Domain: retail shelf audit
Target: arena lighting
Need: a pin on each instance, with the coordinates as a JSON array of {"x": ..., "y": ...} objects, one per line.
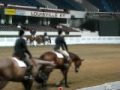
[
  {"x": 19, "y": 6},
  {"x": 51, "y": 9}
]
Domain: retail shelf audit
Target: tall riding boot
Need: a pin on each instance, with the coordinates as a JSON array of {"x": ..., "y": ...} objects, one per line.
[{"x": 28, "y": 74}]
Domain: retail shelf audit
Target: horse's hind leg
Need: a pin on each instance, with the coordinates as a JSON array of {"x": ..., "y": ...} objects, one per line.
[
  {"x": 27, "y": 84},
  {"x": 3, "y": 83}
]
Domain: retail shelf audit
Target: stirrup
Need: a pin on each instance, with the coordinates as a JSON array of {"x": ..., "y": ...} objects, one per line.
[
  {"x": 69, "y": 59},
  {"x": 66, "y": 65},
  {"x": 28, "y": 77},
  {"x": 29, "y": 68}
]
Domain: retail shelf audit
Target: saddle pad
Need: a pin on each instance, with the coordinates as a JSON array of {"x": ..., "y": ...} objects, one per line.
[
  {"x": 19, "y": 62},
  {"x": 59, "y": 55}
]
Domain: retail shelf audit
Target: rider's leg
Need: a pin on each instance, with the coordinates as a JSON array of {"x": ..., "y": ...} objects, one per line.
[
  {"x": 66, "y": 54},
  {"x": 28, "y": 63},
  {"x": 29, "y": 68}
]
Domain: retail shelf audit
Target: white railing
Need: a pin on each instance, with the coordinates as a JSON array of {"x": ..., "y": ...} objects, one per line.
[{"x": 9, "y": 41}]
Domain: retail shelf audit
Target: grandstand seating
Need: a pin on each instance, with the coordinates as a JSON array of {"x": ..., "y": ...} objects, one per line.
[
  {"x": 26, "y": 27},
  {"x": 22, "y": 2},
  {"x": 47, "y": 4},
  {"x": 107, "y": 5},
  {"x": 99, "y": 4},
  {"x": 34, "y": 3},
  {"x": 39, "y": 27},
  {"x": 36, "y": 27},
  {"x": 114, "y": 4},
  {"x": 88, "y": 6},
  {"x": 68, "y": 29},
  {"x": 14, "y": 2},
  {"x": 4, "y": 27},
  {"x": 61, "y": 4},
  {"x": 66, "y": 4},
  {"x": 76, "y": 5}
]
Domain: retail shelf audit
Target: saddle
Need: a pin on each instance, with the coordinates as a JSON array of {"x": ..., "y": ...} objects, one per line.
[
  {"x": 22, "y": 64},
  {"x": 59, "y": 55},
  {"x": 19, "y": 62}
]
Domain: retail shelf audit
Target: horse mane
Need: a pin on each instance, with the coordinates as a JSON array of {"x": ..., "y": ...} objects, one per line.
[{"x": 74, "y": 56}]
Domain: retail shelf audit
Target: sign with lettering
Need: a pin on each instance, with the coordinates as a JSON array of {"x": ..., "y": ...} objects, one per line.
[
  {"x": 42, "y": 14},
  {"x": 10, "y": 11}
]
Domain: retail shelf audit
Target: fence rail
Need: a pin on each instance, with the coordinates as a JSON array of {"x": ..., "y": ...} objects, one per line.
[{"x": 9, "y": 41}]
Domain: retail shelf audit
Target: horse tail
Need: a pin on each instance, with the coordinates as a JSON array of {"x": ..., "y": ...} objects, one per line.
[{"x": 3, "y": 82}]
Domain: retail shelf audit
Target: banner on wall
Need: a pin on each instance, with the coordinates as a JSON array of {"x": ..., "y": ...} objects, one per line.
[
  {"x": 8, "y": 11},
  {"x": 42, "y": 14}
]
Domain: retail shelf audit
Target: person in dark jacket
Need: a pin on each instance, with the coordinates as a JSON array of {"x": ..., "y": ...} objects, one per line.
[
  {"x": 61, "y": 46},
  {"x": 33, "y": 32},
  {"x": 20, "y": 51}
]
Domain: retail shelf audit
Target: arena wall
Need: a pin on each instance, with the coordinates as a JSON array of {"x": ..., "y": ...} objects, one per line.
[{"x": 10, "y": 41}]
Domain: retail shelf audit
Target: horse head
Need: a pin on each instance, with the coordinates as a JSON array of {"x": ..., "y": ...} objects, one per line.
[{"x": 77, "y": 61}]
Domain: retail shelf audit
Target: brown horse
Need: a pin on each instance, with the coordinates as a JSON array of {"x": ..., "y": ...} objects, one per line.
[
  {"x": 10, "y": 71},
  {"x": 30, "y": 38},
  {"x": 51, "y": 56},
  {"x": 39, "y": 39}
]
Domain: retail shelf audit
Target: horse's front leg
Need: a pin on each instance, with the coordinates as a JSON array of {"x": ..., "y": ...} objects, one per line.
[
  {"x": 65, "y": 78},
  {"x": 27, "y": 84},
  {"x": 3, "y": 82},
  {"x": 65, "y": 72}
]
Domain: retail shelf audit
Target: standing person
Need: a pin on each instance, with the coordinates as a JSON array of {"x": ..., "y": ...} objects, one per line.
[
  {"x": 61, "y": 46},
  {"x": 33, "y": 32},
  {"x": 46, "y": 36},
  {"x": 20, "y": 51}
]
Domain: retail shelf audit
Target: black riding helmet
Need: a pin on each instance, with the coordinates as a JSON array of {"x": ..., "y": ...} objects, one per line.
[
  {"x": 21, "y": 33},
  {"x": 60, "y": 32}
]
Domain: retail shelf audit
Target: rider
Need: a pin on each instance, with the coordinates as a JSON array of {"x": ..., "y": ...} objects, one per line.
[
  {"x": 46, "y": 36},
  {"x": 20, "y": 51},
  {"x": 33, "y": 32},
  {"x": 61, "y": 44}
]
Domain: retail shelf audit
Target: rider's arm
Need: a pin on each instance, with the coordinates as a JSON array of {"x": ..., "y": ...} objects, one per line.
[
  {"x": 26, "y": 49},
  {"x": 64, "y": 43}
]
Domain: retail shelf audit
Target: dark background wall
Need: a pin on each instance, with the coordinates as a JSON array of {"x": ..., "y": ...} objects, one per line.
[{"x": 109, "y": 28}]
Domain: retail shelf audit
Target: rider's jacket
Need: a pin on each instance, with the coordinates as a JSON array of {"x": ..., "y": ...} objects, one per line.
[
  {"x": 20, "y": 48},
  {"x": 60, "y": 43}
]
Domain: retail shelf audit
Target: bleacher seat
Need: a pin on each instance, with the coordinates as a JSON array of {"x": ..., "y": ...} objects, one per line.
[
  {"x": 98, "y": 4},
  {"x": 66, "y": 4},
  {"x": 107, "y": 5},
  {"x": 4, "y": 27},
  {"x": 22, "y": 2},
  {"x": 114, "y": 4}
]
